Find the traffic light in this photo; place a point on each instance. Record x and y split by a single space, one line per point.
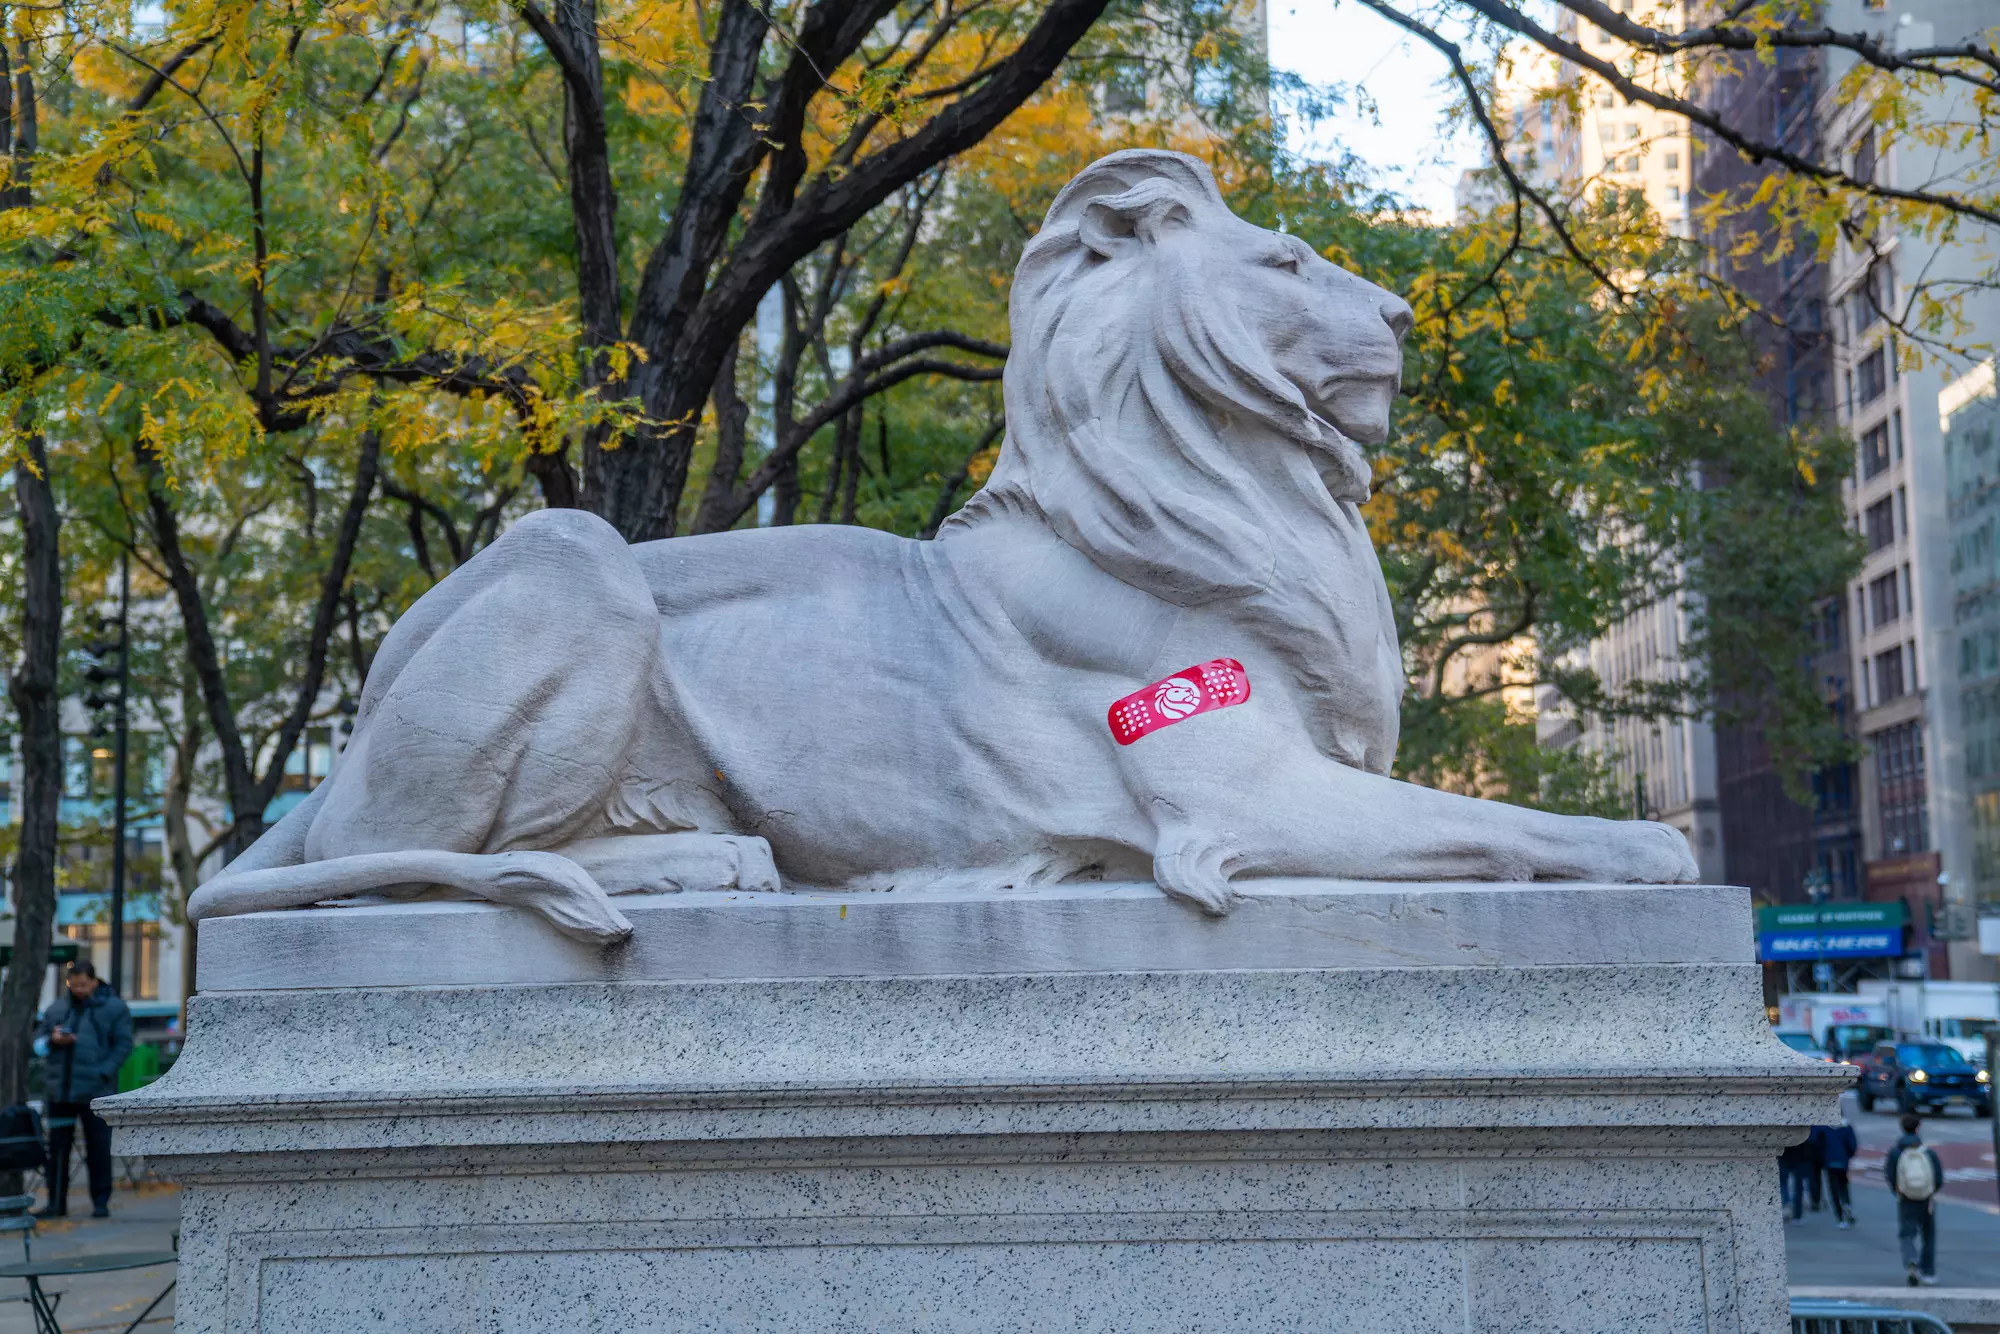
106 654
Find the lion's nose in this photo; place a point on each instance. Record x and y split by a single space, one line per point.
1396 313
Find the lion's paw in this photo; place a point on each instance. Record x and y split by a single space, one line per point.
755 869
1196 868
1659 854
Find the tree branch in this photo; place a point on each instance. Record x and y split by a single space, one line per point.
1515 21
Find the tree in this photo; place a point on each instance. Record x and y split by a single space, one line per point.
32 686
1561 459
1941 100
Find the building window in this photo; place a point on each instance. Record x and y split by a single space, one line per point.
1631 133
1865 157
1673 162
1674 193
1880 521
1631 164
1899 777
1605 100
1874 377
1870 299
142 954
1896 435
1889 675
1883 603
1875 451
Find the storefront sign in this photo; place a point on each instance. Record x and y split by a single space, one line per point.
1831 931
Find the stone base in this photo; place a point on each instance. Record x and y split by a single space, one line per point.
1346 1107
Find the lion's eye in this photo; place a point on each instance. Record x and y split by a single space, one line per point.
1286 259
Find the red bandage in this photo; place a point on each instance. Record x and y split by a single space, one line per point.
1202 688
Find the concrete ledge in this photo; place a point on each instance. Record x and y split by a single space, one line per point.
1098 928
1966 1310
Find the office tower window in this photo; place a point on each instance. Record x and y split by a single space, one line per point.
1901 795
1883 601
1879 524
1889 675
1874 375
1875 451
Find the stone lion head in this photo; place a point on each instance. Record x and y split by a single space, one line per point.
1188 393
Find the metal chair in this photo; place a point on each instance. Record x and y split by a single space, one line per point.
15 1217
1821 1316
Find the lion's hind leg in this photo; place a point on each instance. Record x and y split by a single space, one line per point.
676 863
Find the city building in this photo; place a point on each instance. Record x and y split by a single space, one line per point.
1924 652
1629 145
1667 764
1785 850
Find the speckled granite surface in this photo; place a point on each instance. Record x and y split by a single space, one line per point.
1560 1134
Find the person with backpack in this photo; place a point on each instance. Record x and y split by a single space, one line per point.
1838 1145
89 1030
1915 1174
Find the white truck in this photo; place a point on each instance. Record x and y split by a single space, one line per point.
1842 1023
1957 1014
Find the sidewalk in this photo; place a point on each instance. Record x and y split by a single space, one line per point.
141 1220
1867 1255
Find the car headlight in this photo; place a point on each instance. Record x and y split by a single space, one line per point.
1984 1077
1918 1077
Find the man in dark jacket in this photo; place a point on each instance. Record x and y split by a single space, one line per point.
1838 1146
1916 1201
90 1034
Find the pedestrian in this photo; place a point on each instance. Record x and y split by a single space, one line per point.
1916 1175
1815 1163
90 1034
1792 1181
1837 1149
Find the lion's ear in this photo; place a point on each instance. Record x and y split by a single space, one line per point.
1112 225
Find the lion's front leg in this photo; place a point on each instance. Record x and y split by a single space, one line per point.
1219 820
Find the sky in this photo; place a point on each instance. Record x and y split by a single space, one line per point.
1339 42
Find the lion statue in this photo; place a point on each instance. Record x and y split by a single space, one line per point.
569 717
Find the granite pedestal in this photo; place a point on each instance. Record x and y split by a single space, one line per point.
1361 1107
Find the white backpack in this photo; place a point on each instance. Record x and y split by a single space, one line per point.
1914 1178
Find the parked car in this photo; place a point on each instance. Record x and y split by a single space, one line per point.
1923 1077
1803 1044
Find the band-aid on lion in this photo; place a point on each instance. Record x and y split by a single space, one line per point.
568 717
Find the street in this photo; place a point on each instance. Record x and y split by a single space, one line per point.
1968 1249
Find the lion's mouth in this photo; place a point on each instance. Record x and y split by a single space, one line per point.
1355 405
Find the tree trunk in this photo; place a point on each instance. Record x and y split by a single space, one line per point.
732 417
850 446
33 688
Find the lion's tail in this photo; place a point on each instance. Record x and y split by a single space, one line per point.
545 882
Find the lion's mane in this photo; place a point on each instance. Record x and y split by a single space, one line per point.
1152 432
